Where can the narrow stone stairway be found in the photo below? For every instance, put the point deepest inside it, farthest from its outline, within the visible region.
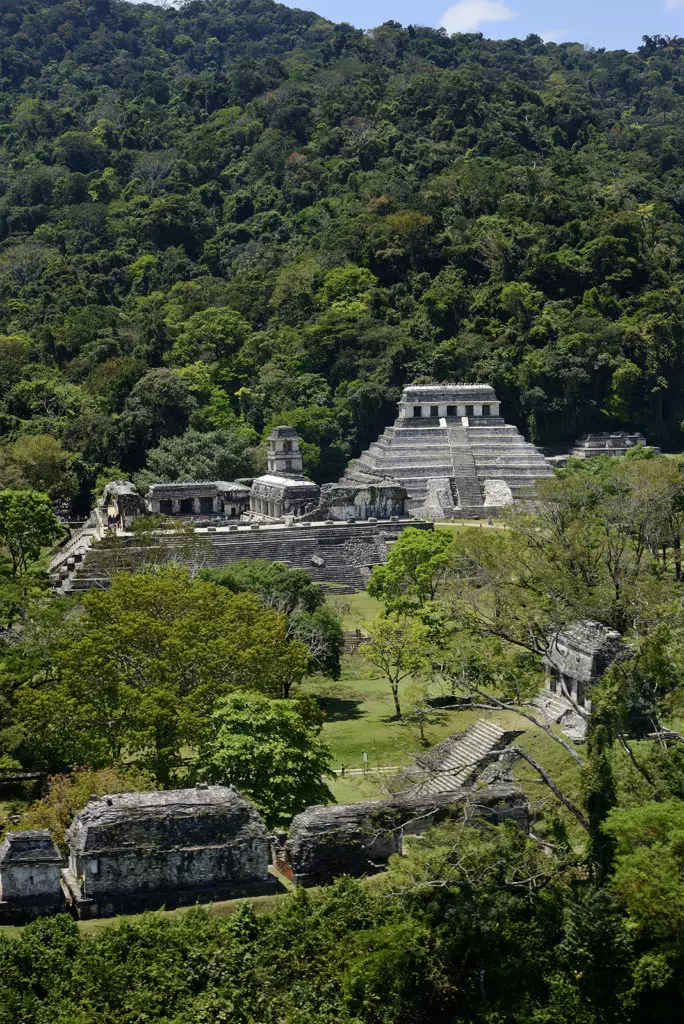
(464, 468)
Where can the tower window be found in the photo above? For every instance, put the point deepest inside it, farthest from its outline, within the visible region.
(452, 410)
(486, 410)
(417, 411)
(470, 410)
(434, 411)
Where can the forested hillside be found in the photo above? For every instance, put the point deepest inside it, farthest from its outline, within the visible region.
(234, 214)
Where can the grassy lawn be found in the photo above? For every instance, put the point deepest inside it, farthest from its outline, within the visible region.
(356, 610)
(359, 717)
(456, 525)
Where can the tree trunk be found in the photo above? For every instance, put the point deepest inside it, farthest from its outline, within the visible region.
(678, 556)
(395, 694)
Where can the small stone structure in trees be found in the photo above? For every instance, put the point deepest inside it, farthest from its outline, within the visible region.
(577, 656)
(30, 866)
(614, 443)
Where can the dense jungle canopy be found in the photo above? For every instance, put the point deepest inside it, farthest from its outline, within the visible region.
(231, 214)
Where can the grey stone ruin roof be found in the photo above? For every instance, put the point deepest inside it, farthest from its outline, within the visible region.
(177, 818)
(195, 485)
(325, 842)
(584, 650)
(283, 431)
(451, 393)
(28, 846)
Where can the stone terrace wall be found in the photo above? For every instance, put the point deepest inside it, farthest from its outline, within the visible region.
(339, 553)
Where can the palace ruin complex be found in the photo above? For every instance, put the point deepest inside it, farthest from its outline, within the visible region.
(449, 455)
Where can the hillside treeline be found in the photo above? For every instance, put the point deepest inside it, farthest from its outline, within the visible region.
(233, 214)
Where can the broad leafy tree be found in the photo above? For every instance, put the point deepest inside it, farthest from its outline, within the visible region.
(269, 750)
(138, 675)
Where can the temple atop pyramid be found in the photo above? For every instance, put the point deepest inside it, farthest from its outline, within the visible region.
(453, 452)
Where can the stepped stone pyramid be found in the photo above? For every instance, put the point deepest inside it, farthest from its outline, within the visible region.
(452, 451)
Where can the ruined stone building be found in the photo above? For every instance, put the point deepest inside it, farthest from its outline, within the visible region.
(614, 443)
(449, 455)
(134, 851)
(221, 498)
(283, 490)
(357, 839)
(129, 852)
(579, 655)
(452, 451)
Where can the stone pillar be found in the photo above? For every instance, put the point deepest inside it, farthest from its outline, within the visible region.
(175, 506)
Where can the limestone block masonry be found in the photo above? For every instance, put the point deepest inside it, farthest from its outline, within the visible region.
(341, 554)
(135, 851)
(30, 866)
(451, 432)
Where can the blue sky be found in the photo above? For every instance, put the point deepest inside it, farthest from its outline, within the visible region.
(615, 24)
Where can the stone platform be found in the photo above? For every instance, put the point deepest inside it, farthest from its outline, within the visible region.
(339, 555)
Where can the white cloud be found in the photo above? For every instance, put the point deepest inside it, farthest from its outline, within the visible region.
(557, 35)
(672, 5)
(469, 15)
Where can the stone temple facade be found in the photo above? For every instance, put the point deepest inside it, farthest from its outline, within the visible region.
(452, 451)
(199, 498)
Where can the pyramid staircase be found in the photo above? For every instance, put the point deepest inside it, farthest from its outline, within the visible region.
(468, 452)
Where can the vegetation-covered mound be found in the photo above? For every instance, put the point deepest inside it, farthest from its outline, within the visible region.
(233, 214)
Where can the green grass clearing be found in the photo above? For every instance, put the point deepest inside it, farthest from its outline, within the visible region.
(356, 610)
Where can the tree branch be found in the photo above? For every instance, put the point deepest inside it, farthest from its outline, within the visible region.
(565, 800)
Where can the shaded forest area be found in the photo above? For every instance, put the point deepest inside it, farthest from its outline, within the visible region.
(233, 214)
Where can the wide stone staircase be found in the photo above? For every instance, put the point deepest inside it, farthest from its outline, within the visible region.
(339, 555)
(459, 759)
(464, 468)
